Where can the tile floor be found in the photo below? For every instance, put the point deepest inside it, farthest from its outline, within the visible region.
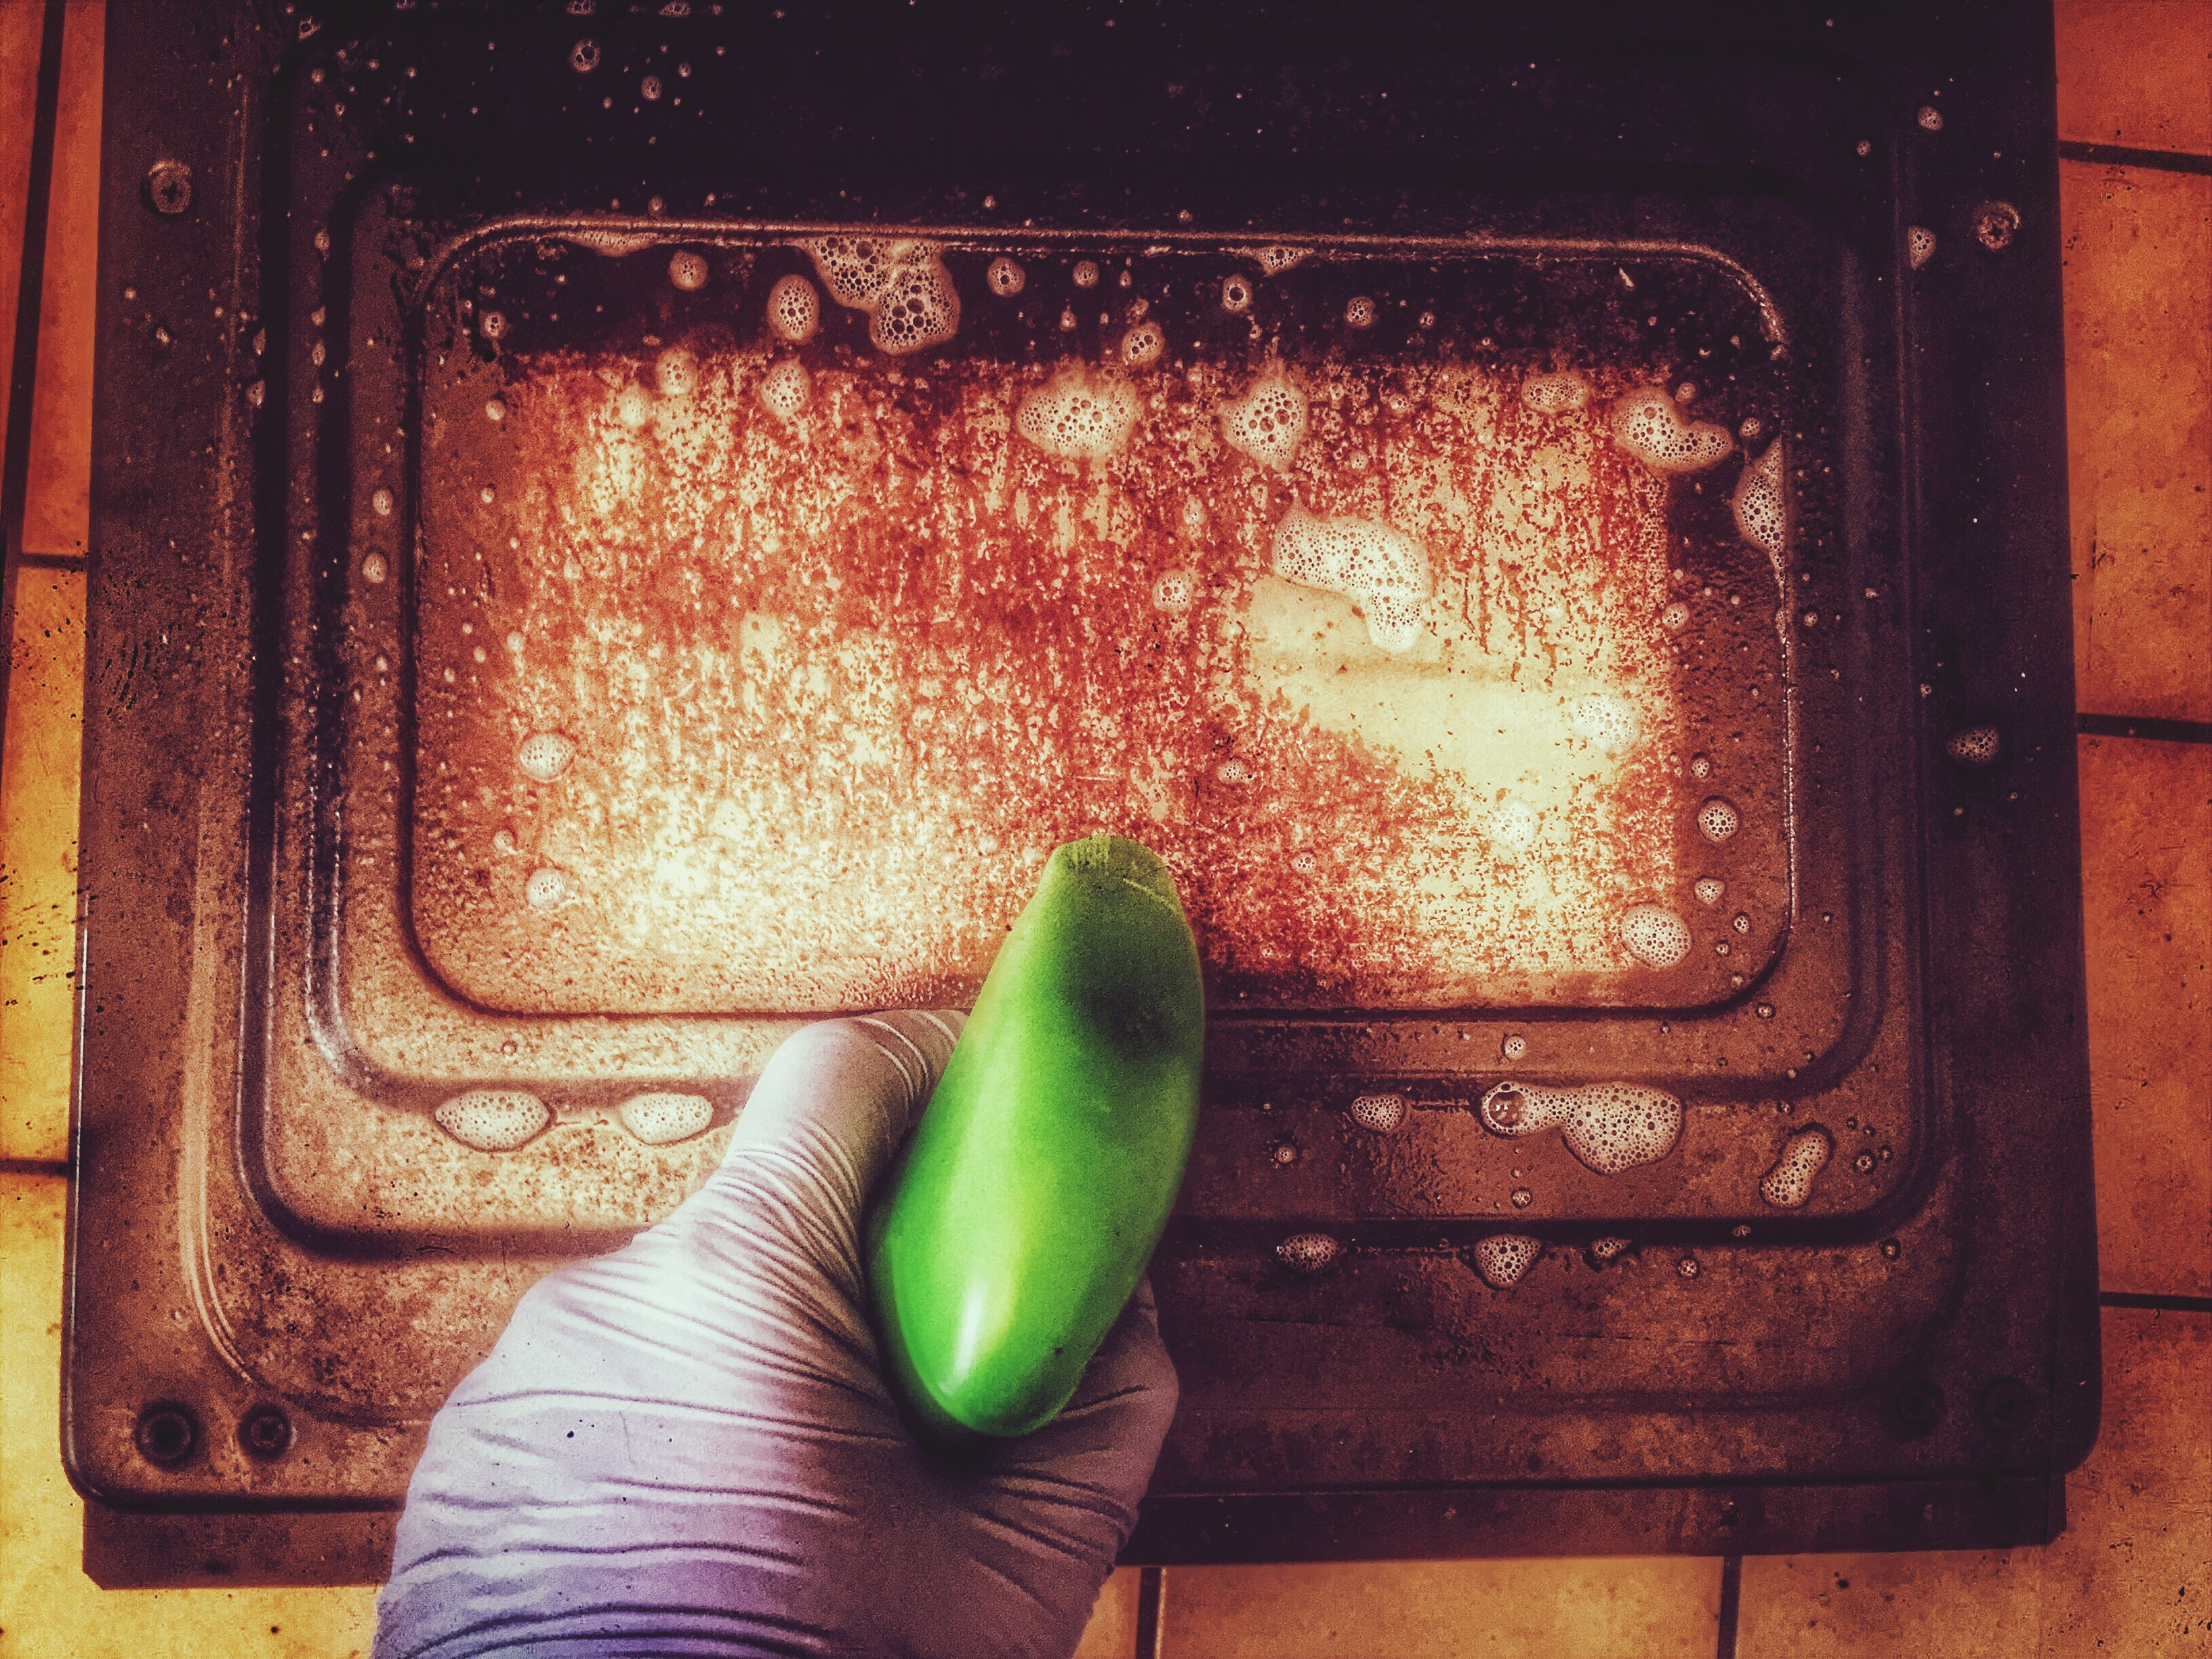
(2133, 1573)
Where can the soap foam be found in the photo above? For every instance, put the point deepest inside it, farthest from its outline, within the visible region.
(1974, 746)
(676, 370)
(1709, 890)
(1174, 593)
(1005, 278)
(1308, 1253)
(786, 389)
(1512, 830)
(902, 286)
(794, 312)
(493, 1119)
(1142, 345)
(1078, 415)
(1648, 425)
(659, 1119)
(688, 270)
(546, 756)
(1609, 1127)
(1360, 312)
(1919, 245)
(1608, 723)
(634, 408)
(1236, 296)
(1603, 1250)
(1274, 260)
(1555, 394)
(1502, 1258)
(1675, 618)
(1717, 820)
(548, 888)
(1616, 1127)
(1383, 571)
(1655, 936)
(1268, 423)
(1804, 1155)
(1762, 510)
(1380, 1113)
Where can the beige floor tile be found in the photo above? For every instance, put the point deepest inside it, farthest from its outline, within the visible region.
(1112, 1632)
(2132, 1574)
(48, 1608)
(1558, 1609)
(2138, 282)
(2136, 72)
(58, 501)
(38, 862)
(2147, 911)
(19, 77)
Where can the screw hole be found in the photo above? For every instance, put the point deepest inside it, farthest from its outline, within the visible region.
(167, 1434)
(266, 1432)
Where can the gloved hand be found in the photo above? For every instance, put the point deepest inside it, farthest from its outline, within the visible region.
(687, 1446)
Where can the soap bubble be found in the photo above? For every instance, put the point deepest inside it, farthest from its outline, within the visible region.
(548, 889)
(1804, 1155)
(1379, 1113)
(1078, 415)
(1087, 273)
(1655, 936)
(688, 270)
(1524, 1108)
(1142, 346)
(1005, 278)
(1502, 1258)
(1381, 569)
(1174, 593)
(659, 1119)
(546, 756)
(1649, 425)
(1360, 312)
(1268, 423)
(1308, 1253)
(584, 57)
(793, 311)
(1236, 296)
(493, 1119)
(1608, 723)
(1514, 1046)
(786, 389)
(1717, 820)
(1555, 394)
(1974, 746)
(676, 369)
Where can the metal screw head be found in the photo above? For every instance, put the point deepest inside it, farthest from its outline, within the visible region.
(168, 187)
(1917, 1409)
(167, 1433)
(2007, 1404)
(264, 1433)
(1996, 223)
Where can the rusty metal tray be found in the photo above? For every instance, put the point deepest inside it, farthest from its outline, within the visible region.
(508, 712)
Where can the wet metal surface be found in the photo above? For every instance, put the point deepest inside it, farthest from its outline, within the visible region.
(526, 697)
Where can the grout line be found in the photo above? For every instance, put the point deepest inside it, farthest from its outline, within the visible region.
(30, 293)
(1152, 1586)
(1731, 1604)
(57, 1167)
(2122, 155)
(2153, 730)
(2156, 1302)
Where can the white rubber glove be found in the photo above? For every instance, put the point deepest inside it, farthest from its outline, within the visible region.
(687, 1446)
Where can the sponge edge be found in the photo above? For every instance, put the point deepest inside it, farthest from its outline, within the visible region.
(1126, 861)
